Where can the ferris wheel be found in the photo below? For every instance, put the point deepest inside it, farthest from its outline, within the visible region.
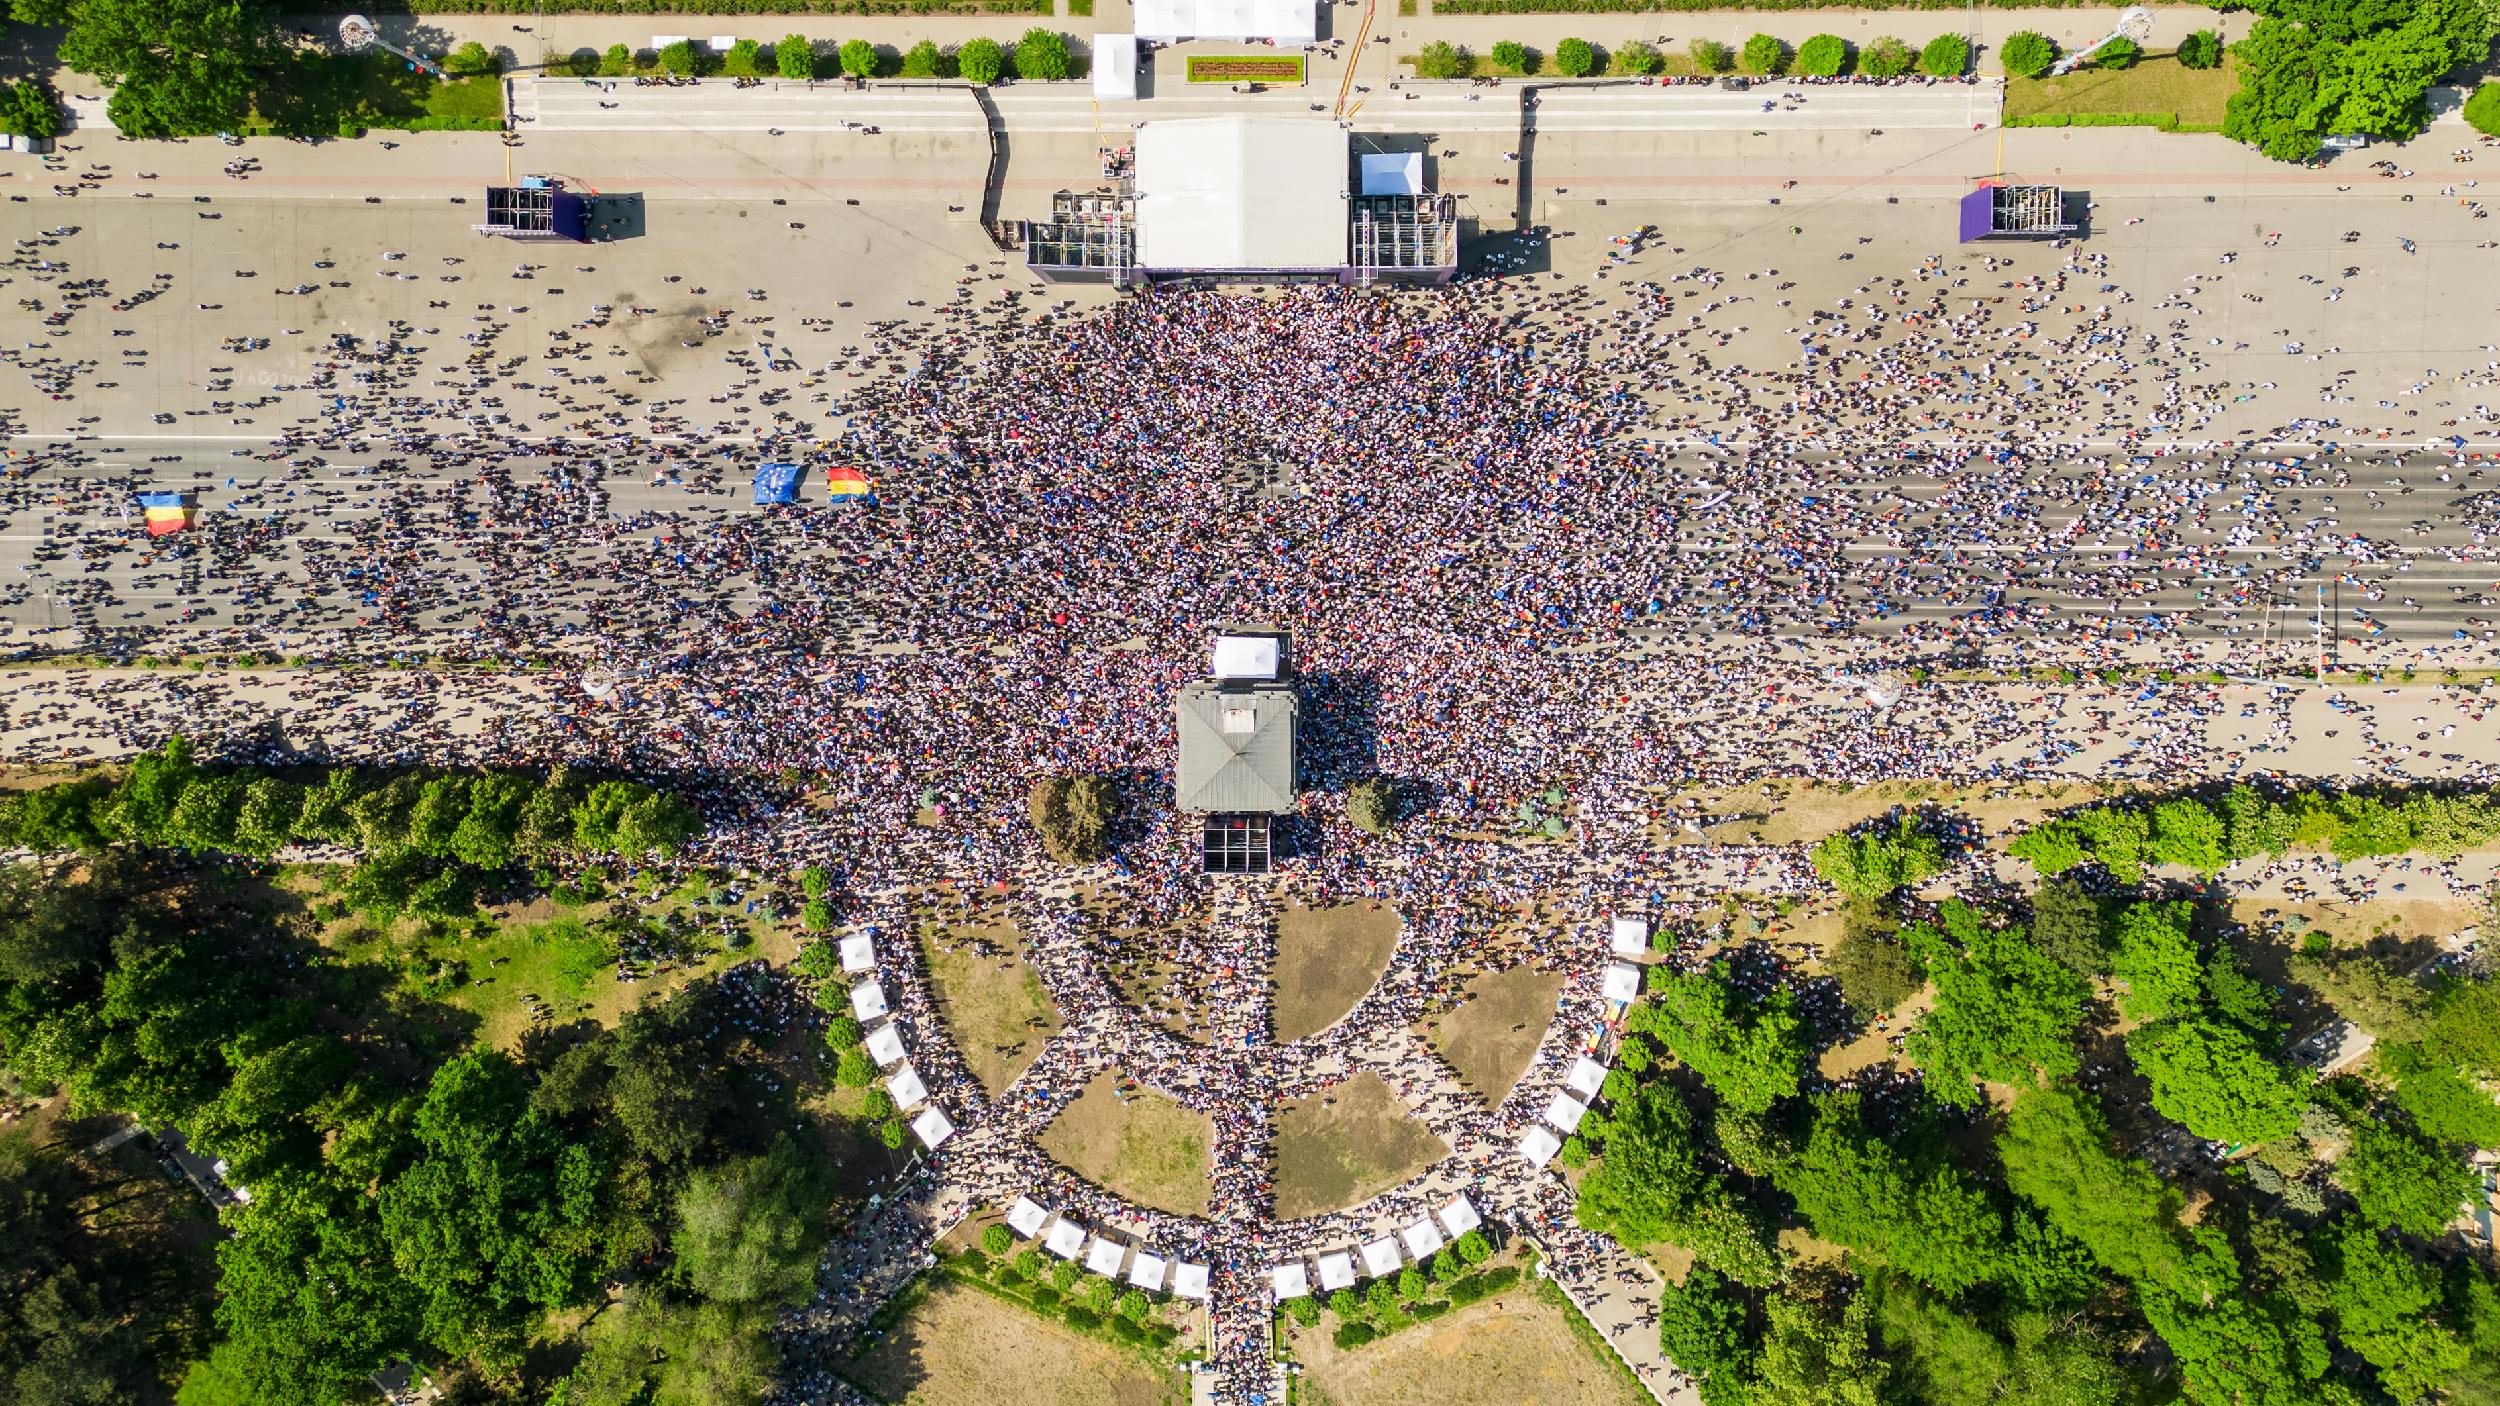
(2136, 24)
(357, 34)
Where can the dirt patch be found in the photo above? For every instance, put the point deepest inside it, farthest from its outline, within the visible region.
(1345, 1144)
(1326, 958)
(991, 1000)
(2401, 924)
(960, 1347)
(1514, 1348)
(1802, 812)
(1490, 1035)
(1144, 1146)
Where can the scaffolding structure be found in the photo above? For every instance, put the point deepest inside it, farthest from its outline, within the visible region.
(533, 210)
(2029, 210)
(1402, 236)
(1088, 238)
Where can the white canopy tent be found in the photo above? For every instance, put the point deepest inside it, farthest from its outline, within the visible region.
(1539, 1146)
(859, 954)
(1623, 983)
(1146, 1272)
(885, 1046)
(1565, 1113)
(868, 1001)
(1393, 173)
(1380, 1257)
(1587, 1076)
(1026, 1218)
(1628, 937)
(932, 1127)
(1336, 1271)
(1292, 1280)
(906, 1087)
(1189, 1281)
(1241, 192)
(1459, 1216)
(1170, 21)
(1104, 1257)
(1115, 67)
(1066, 1239)
(1422, 1238)
(1245, 657)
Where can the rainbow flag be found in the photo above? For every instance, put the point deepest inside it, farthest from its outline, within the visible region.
(166, 512)
(845, 483)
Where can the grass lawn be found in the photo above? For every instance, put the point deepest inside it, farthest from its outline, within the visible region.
(1350, 1142)
(1489, 1037)
(1516, 1346)
(370, 90)
(1326, 958)
(1245, 68)
(2157, 83)
(1145, 1147)
(961, 1347)
(990, 999)
(1792, 812)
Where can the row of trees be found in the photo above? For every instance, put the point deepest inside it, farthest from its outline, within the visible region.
(1041, 54)
(411, 1197)
(2009, 1252)
(2310, 69)
(1763, 55)
(2206, 832)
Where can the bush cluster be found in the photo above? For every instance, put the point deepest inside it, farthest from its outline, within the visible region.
(2207, 833)
(1880, 856)
(2202, 49)
(2027, 53)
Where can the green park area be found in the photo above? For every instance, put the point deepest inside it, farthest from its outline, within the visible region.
(2157, 84)
(330, 94)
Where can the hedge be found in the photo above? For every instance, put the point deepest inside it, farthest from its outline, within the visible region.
(717, 7)
(2208, 832)
(1619, 7)
(2166, 121)
(1470, 1288)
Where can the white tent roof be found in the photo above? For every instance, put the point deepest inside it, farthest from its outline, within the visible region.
(1623, 983)
(1026, 1218)
(1241, 193)
(859, 954)
(1380, 1257)
(1285, 21)
(1587, 1076)
(1459, 1216)
(1422, 1238)
(885, 1046)
(1065, 1239)
(1565, 1113)
(1146, 1272)
(1539, 1146)
(1393, 172)
(1336, 1271)
(1104, 1257)
(1292, 1280)
(1244, 657)
(1115, 67)
(1628, 937)
(1189, 1281)
(868, 1000)
(906, 1087)
(932, 1127)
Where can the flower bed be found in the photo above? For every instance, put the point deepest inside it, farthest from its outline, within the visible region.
(1245, 68)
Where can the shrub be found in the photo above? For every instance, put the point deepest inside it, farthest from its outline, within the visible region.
(2482, 110)
(1946, 56)
(745, 59)
(1082, 1318)
(842, 1032)
(1575, 58)
(859, 58)
(1637, 57)
(681, 59)
(1343, 1303)
(1823, 56)
(816, 916)
(1134, 1307)
(1710, 56)
(2027, 53)
(581, 63)
(879, 1105)
(1372, 804)
(1042, 54)
(2118, 53)
(853, 1071)
(1886, 58)
(1764, 54)
(1304, 1310)
(980, 60)
(1474, 1248)
(890, 1132)
(998, 1240)
(794, 58)
(2203, 49)
(1510, 56)
(616, 62)
(1410, 1283)
(813, 880)
(922, 60)
(349, 128)
(1072, 814)
(1045, 1298)
(1354, 1333)
(1426, 1312)
(1440, 59)
(470, 60)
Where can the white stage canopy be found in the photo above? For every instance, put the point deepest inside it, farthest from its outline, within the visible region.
(1587, 1076)
(1393, 173)
(1189, 1281)
(1380, 1257)
(1459, 1216)
(1104, 1257)
(1539, 1146)
(868, 1000)
(1026, 1218)
(859, 954)
(906, 1087)
(1623, 983)
(1146, 1272)
(1292, 1280)
(1245, 657)
(885, 1046)
(932, 1127)
(1629, 937)
(1422, 1238)
(1066, 1239)
(1336, 1271)
(1115, 67)
(1241, 193)
(1170, 21)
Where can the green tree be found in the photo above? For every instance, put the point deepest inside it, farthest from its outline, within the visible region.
(2211, 1079)
(2382, 1000)
(142, 808)
(859, 58)
(922, 60)
(616, 61)
(1510, 56)
(2004, 1012)
(470, 60)
(2066, 923)
(1875, 969)
(2238, 1349)
(1651, 1186)
(745, 59)
(980, 60)
(2482, 110)
(2027, 53)
(1857, 1190)
(1879, 857)
(1705, 1325)
(1042, 54)
(2387, 1309)
(2184, 832)
(1439, 59)
(749, 1231)
(265, 821)
(1073, 816)
(2117, 54)
(2401, 1178)
(2201, 49)
(1763, 54)
(1637, 57)
(1751, 1053)
(2157, 959)
(1887, 57)
(1946, 56)
(1575, 58)
(2465, 1024)
(682, 59)
(1710, 56)
(794, 57)
(1371, 804)
(2058, 1155)
(2446, 1103)
(178, 68)
(1823, 56)
(1815, 1353)
(309, 1297)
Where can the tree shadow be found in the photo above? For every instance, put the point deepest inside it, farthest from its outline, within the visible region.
(1340, 728)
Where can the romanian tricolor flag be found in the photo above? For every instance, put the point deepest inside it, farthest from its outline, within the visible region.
(166, 512)
(845, 483)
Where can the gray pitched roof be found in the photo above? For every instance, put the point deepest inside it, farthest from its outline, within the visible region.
(1237, 748)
